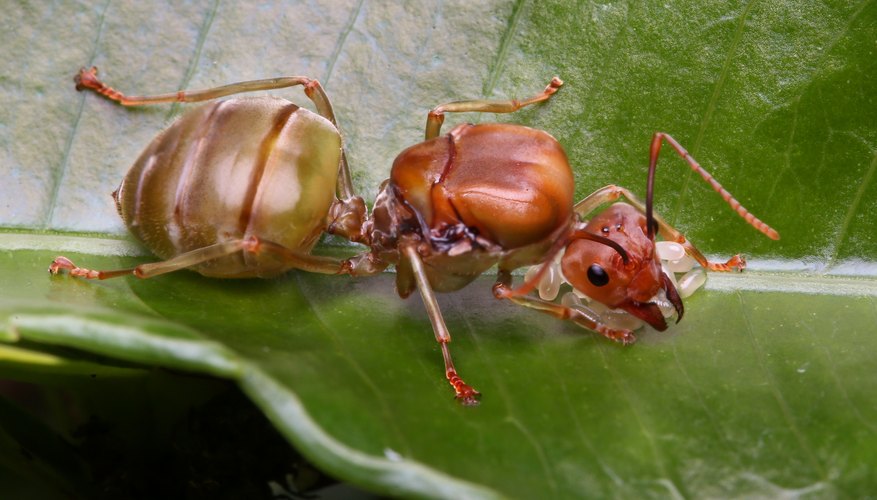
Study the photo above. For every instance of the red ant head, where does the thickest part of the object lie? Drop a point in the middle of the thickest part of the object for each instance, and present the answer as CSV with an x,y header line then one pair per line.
x,y
628,279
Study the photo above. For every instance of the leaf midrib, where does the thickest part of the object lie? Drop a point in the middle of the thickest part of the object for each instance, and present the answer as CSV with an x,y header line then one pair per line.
x,y
785,276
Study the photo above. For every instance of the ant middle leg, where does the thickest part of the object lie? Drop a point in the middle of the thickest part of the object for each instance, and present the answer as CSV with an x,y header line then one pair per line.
x,y
465,393
436,117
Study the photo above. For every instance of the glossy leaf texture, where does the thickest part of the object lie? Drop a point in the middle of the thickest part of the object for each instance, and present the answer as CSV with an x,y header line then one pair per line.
x,y
765,388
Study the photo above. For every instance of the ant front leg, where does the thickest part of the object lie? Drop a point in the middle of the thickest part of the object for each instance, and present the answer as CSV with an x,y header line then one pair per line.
x,y
437,116
465,393
582,316
612,193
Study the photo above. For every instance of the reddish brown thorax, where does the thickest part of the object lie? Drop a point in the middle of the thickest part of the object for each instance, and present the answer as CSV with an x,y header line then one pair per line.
x,y
478,196
511,184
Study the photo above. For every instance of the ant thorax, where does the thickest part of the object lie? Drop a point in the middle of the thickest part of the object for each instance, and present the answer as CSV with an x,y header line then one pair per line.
x,y
684,272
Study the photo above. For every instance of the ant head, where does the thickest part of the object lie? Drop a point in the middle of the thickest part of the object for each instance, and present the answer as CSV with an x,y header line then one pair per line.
x,y
628,278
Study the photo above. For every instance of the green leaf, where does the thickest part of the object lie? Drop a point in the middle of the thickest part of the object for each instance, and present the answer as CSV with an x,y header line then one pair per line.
x,y
766,388
772,400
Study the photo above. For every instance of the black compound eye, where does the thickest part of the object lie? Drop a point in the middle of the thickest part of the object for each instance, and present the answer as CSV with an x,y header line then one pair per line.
x,y
597,275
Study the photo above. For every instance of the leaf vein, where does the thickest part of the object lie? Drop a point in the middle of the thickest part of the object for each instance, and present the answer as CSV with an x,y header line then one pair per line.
x,y
339,45
504,44
196,56
714,421
777,393
713,102
853,209
511,418
540,452
838,382
58,178
638,418
357,368
579,428
787,154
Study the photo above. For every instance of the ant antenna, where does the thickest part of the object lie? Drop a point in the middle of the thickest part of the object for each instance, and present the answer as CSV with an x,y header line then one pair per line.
x,y
581,234
657,140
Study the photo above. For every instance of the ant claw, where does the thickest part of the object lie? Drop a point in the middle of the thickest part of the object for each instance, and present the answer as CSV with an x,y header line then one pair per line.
x,y
60,263
469,397
466,394
735,263
626,337
86,78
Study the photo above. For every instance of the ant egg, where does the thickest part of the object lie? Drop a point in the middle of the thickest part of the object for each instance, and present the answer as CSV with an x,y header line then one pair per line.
x,y
674,257
691,281
669,250
670,274
531,273
549,285
682,265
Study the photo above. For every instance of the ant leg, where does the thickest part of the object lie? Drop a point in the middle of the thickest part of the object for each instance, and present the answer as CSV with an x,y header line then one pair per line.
x,y
150,270
436,117
87,80
464,392
254,245
364,264
531,284
612,193
583,317
344,191
602,196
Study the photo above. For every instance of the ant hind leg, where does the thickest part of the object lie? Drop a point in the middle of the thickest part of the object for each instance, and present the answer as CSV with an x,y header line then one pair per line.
x,y
252,244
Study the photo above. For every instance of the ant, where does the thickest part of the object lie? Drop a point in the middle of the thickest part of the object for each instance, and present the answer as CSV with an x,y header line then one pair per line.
x,y
245,187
